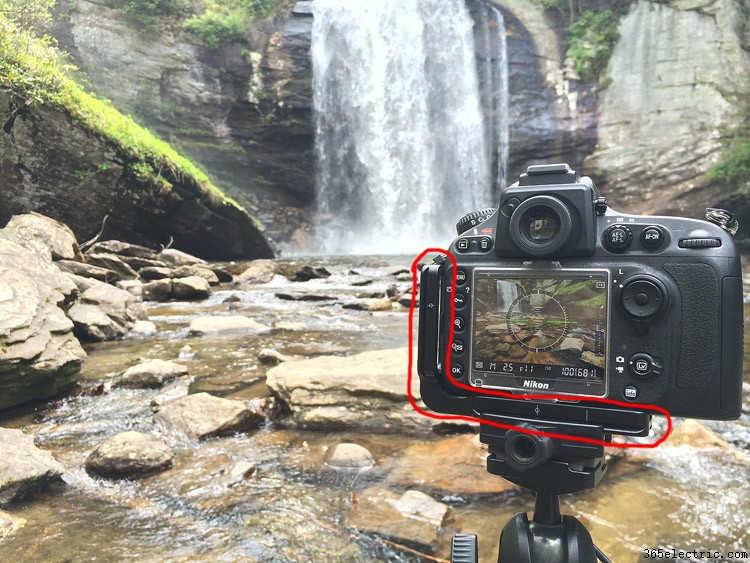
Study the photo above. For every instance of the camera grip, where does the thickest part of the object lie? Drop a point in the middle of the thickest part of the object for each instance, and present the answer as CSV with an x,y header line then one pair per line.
x,y
429,321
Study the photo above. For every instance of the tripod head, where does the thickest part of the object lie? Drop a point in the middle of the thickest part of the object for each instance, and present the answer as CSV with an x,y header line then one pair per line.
x,y
548,467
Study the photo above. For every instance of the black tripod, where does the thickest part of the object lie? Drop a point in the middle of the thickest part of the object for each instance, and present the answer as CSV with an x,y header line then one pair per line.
x,y
547,467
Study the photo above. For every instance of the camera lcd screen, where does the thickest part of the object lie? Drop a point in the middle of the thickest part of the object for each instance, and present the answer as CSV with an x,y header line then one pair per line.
x,y
540,332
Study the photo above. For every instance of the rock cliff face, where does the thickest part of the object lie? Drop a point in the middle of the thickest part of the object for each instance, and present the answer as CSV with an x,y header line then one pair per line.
x,y
53,165
675,83
243,110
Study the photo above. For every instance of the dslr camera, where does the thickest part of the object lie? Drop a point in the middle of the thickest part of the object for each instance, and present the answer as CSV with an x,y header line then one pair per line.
x,y
557,294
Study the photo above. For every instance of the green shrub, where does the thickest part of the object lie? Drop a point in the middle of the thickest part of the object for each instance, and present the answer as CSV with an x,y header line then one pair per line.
x,y
733,169
590,42
149,16
215,27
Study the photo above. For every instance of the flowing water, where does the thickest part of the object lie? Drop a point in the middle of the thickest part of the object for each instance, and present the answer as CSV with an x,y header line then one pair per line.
x,y
294,508
400,128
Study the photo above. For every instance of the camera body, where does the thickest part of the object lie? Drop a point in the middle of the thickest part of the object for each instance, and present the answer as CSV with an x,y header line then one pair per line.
x,y
556,294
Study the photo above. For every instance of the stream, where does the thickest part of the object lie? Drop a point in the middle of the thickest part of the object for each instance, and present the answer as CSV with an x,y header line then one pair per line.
x,y
294,507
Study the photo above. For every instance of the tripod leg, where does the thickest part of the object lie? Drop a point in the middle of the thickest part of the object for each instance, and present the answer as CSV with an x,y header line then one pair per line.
x,y
464,548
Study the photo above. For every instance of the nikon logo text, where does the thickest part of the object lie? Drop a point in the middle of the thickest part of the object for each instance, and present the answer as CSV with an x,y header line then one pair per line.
x,y
535,384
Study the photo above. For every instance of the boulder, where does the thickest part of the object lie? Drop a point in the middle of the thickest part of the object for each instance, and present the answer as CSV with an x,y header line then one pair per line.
x,y
192,288
143,328
130,454
175,390
366,390
54,235
149,375
304,296
175,258
222,275
155,273
123,249
105,312
239,472
114,263
23,466
259,271
412,519
405,300
203,415
157,290
305,273
196,270
39,354
271,357
140,263
349,456
211,325
82,283
134,287
371,305
89,271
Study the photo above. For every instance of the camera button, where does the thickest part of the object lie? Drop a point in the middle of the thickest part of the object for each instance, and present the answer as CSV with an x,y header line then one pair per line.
x,y
652,237
460,276
643,365
459,300
617,238
459,323
462,245
485,243
630,392
457,347
457,370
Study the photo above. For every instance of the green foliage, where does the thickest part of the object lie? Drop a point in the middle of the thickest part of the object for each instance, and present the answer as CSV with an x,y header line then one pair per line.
x,y
733,169
570,11
590,42
149,16
34,71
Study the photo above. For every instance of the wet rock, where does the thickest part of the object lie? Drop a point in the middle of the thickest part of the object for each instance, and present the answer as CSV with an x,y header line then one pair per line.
x,y
404,277
222,275
405,300
413,518
462,462
349,456
134,287
192,288
239,472
196,270
370,295
175,258
10,524
398,270
157,290
175,390
371,305
130,454
693,433
124,249
210,325
232,299
304,297
140,263
114,263
259,271
203,415
271,357
360,283
306,273
39,354
151,374
143,328
105,312
155,273
54,235
82,283
23,466
89,271
186,352
392,291
365,390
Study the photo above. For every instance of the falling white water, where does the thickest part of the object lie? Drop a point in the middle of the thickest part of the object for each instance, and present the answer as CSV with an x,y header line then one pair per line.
x,y
499,72
400,136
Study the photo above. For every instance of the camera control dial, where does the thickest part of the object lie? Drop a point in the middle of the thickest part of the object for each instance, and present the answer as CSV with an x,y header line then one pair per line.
x,y
643,298
473,219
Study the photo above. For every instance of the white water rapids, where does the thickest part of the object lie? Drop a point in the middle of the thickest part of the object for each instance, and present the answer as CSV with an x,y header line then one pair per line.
x,y
402,137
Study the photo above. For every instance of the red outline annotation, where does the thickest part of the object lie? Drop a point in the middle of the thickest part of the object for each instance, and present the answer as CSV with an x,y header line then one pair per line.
x,y
493,392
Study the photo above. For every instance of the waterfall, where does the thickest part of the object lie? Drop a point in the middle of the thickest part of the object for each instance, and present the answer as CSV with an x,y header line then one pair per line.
x,y
403,146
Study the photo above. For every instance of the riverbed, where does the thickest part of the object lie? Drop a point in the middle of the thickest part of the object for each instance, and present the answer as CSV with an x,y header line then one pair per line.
x,y
294,507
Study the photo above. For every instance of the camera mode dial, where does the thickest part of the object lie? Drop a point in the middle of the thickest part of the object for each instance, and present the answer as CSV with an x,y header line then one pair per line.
x,y
473,219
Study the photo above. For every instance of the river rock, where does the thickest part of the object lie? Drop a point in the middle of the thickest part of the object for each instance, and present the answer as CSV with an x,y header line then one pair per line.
x,y
175,390
130,454
259,271
405,300
191,288
157,290
149,375
371,305
413,518
23,466
39,355
155,273
196,270
240,471
54,235
134,287
271,357
306,273
303,296
349,456
366,390
202,415
114,263
89,271
123,249
143,328
105,312
175,258
210,325
10,524
140,263
222,275
82,283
